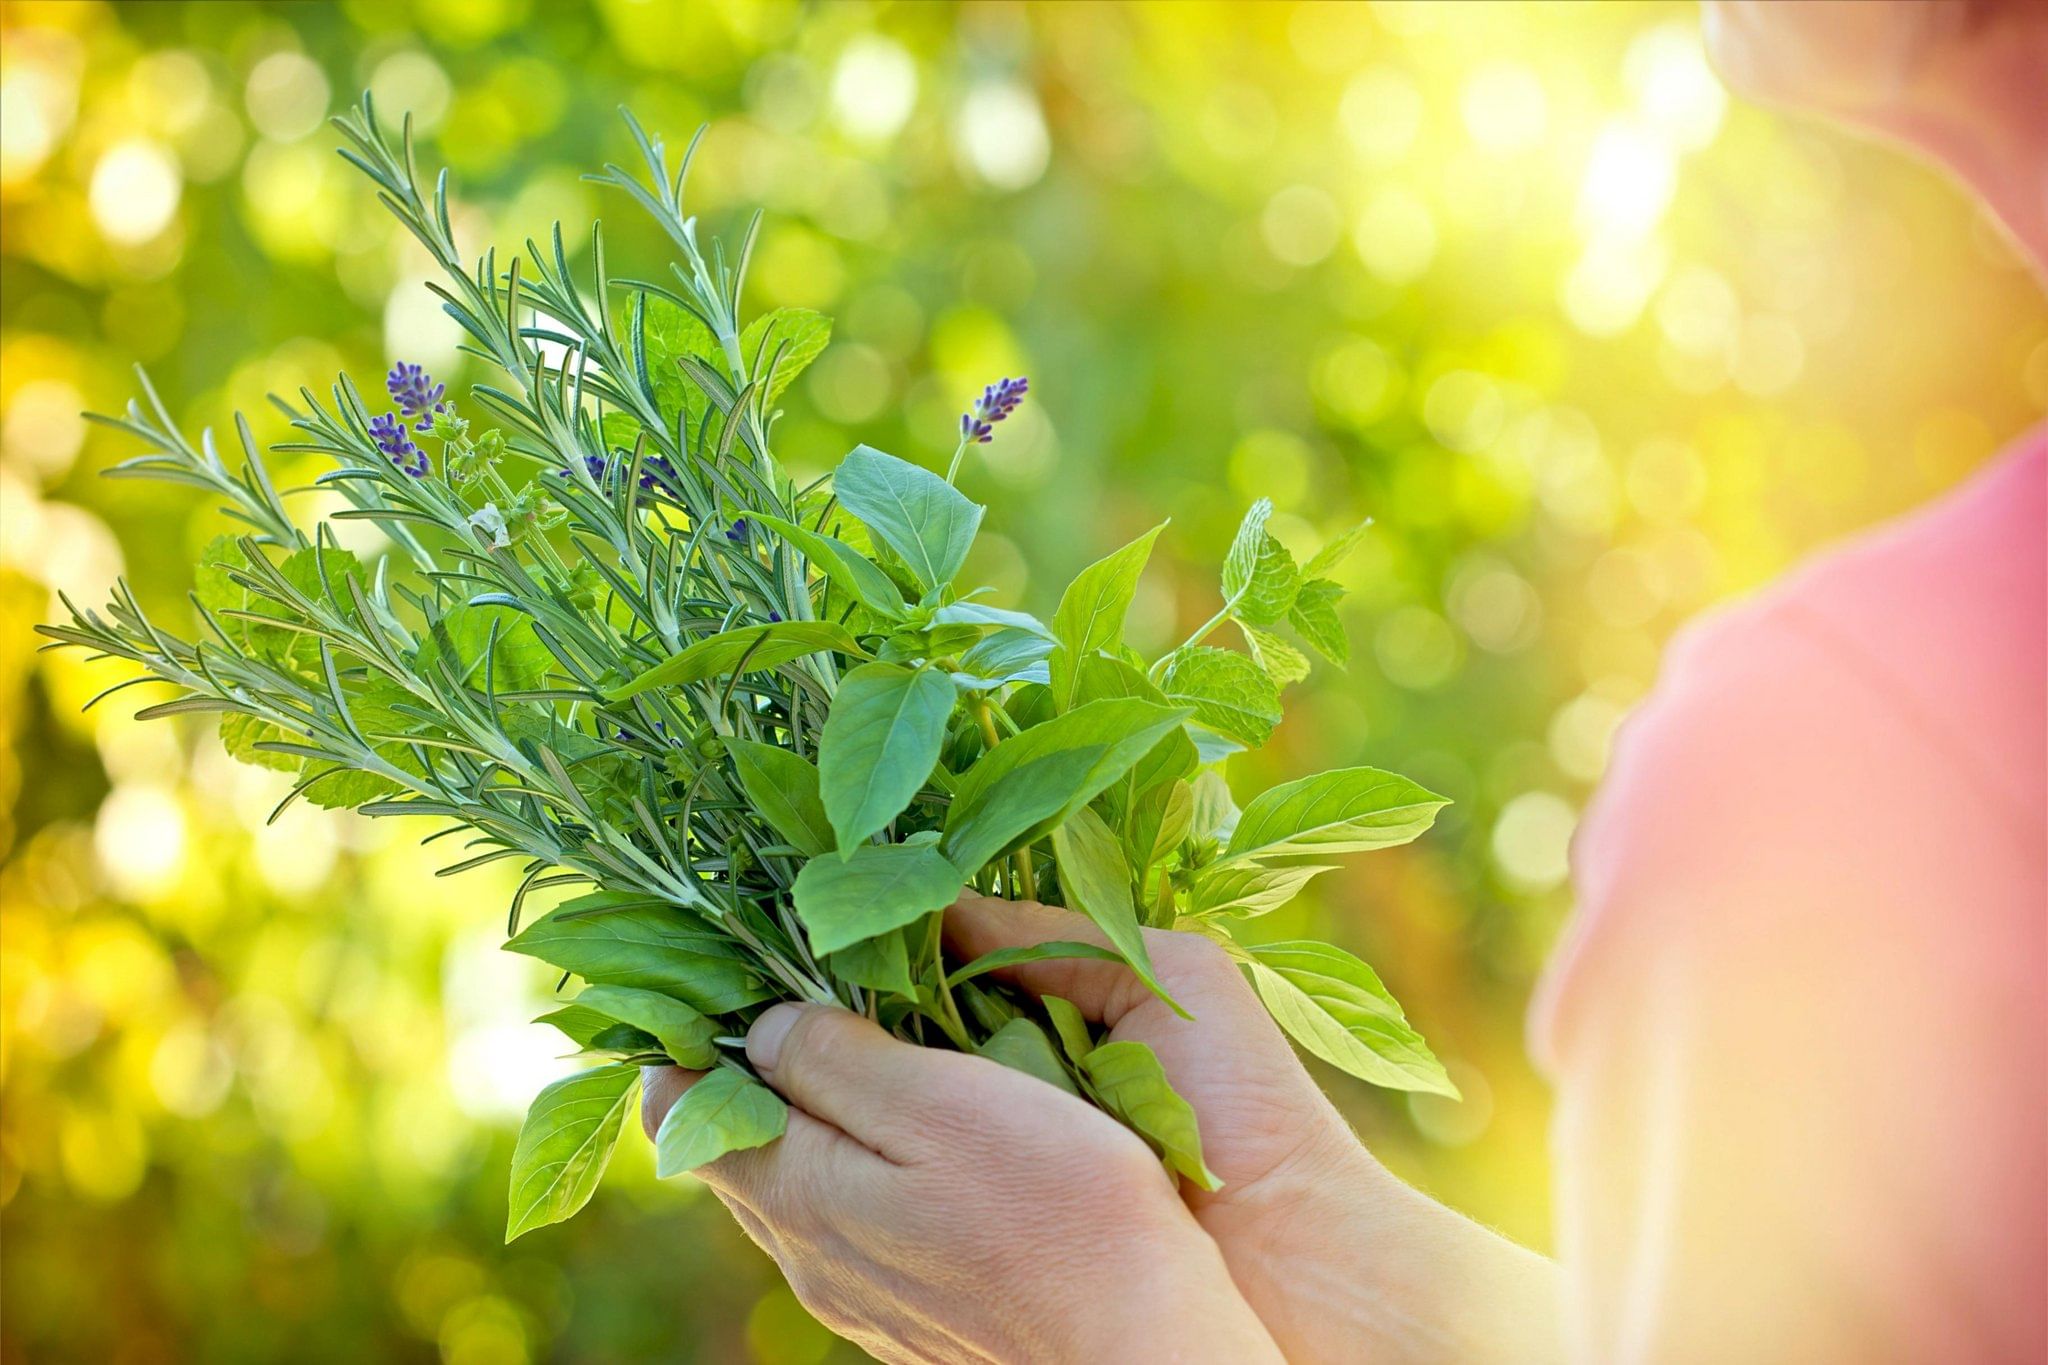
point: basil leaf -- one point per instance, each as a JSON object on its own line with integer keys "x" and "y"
{"x": 578, "y": 1023}
{"x": 1346, "y": 810}
{"x": 1249, "y": 889}
{"x": 1091, "y": 611}
{"x": 1128, "y": 1081}
{"x": 880, "y": 743}
{"x": 1336, "y": 1008}
{"x": 754, "y": 647}
{"x": 1097, "y": 881}
{"x": 1090, "y": 747}
{"x": 976, "y": 614}
{"x": 789, "y": 339}
{"x": 1314, "y": 614}
{"x": 1067, "y": 1021}
{"x": 783, "y": 787}
{"x": 913, "y": 511}
{"x": 878, "y": 888}
{"x": 844, "y": 566}
{"x": 1022, "y": 1046}
{"x": 1036, "y": 952}
{"x": 565, "y": 1144}
{"x": 724, "y": 1112}
{"x": 1008, "y": 655}
{"x": 1229, "y": 693}
{"x": 617, "y": 939}
{"x": 684, "y": 1034}
{"x": 881, "y": 963}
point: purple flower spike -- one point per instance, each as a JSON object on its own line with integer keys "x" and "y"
{"x": 389, "y": 434}
{"x": 594, "y": 463}
{"x": 416, "y": 393}
{"x": 997, "y": 401}
{"x": 738, "y": 532}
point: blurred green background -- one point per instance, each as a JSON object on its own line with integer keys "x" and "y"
{"x": 1595, "y": 345}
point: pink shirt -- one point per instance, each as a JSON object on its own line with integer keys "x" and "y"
{"x": 1799, "y": 1024}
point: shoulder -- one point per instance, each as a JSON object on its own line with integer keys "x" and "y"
{"x": 1844, "y": 738}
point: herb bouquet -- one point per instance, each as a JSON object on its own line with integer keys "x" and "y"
{"x": 760, "y": 730}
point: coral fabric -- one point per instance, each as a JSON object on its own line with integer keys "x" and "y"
{"x": 1799, "y": 1025}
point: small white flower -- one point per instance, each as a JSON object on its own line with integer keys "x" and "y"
{"x": 489, "y": 524}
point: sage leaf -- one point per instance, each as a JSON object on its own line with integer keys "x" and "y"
{"x": 880, "y": 743}
{"x": 1091, "y": 613}
{"x": 1228, "y": 692}
{"x": 1335, "y": 1007}
{"x": 847, "y": 569}
{"x": 783, "y": 787}
{"x": 913, "y": 511}
{"x": 1022, "y": 1046}
{"x": 754, "y": 647}
{"x": 880, "y": 887}
{"x": 565, "y": 1144}
{"x": 684, "y": 1034}
{"x": 1126, "y": 1078}
{"x": 724, "y": 1112}
{"x": 1096, "y": 879}
{"x": 1345, "y": 810}
{"x": 617, "y": 939}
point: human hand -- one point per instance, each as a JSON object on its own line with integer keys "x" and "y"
{"x": 1340, "y": 1260}
{"x": 933, "y": 1206}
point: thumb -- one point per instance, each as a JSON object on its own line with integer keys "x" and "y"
{"x": 883, "y": 1092}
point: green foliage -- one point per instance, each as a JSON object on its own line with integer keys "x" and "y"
{"x": 726, "y": 1111}
{"x": 759, "y": 730}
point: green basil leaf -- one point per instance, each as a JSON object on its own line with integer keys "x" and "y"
{"x": 1091, "y": 613}
{"x": 848, "y": 570}
{"x": 1005, "y": 656}
{"x": 565, "y": 1144}
{"x": 724, "y": 1112}
{"x": 579, "y": 1024}
{"x": 913, "y": 511}
{"x": 1314, "y": 614}
{"x": 1346, "y": 810}
{"x": 1128, "y": 1081}
{"x": 1248, "y": 889}
{"x": 1336, "y": 1008}
{"x": 880, "y": 887}
{"x": 784, "y": 788}
{"x": 976, "y": 614}
{"x": 1022, "y": 1046}
{"x": 1159, "y": 820}
{"x": 1229, "y": 693}
{"x": 881, "y": 963}
{"x": 880, "y": 743}
{"x": 1089, "y": 747}
{"x": 795, "y": 335}
{"x": 754, "y": 647}
{"x": 616, "y": 939}
{"x": 1096, "y": 880}
{"x": 684, "y": 1034}
{"x": 1070, "y": 1025}
{"x": 1036, "y": 952}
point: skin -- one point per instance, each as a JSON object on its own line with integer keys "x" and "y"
{"x": 937, "y": 1207}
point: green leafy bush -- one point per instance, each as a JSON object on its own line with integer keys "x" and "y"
{"x": 760, "y": 730}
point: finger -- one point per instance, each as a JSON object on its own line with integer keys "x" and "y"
{"x": 884, "y": 1093}
{"x": 760, "y": 1183}
{"x": 1193, "y": 970}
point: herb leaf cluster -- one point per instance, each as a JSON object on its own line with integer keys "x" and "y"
{"x": 751, "y": 737}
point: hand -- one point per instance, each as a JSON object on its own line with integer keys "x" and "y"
{"x": 933, "y": 1206}
{"x": 1339, "y": 1259}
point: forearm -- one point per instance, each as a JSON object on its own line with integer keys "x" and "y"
{"x": 1354, "y": 1265}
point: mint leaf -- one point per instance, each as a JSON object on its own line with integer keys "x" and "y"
{"x": 1229, "y": 693}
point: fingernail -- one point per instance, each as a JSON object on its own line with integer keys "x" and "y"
{"x": 764, "y": 1039}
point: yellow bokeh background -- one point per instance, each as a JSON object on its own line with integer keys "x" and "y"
{"x": 1596, "y": 345}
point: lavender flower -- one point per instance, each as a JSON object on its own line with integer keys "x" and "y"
{"x": 655, "y": 472}
{"x": 388, "y": 432}
{"x": 738, "y": 532}
{"x": 416, "y": 393}
{"x": 997, "y": 401}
